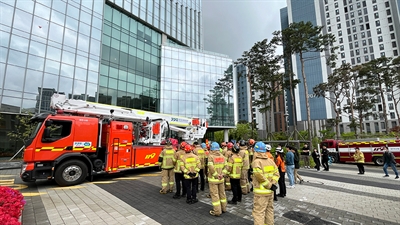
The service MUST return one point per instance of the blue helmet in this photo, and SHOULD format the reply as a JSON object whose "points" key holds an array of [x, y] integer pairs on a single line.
{"points": [[203, 145], [260, 147], [214, 146]]}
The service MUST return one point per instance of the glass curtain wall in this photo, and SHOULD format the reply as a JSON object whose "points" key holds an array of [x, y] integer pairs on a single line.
{"points": [[197, 84], [130, 62]]}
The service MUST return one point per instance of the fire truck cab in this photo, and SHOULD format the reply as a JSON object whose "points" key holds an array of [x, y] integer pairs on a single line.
{"points": [[81, 140]]}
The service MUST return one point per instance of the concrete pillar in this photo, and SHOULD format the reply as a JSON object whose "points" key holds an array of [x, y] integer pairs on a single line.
{"points": [[226, 134]]}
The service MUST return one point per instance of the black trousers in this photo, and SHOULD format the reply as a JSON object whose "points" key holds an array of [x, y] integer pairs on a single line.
{"points": [[282, 185], [236, 190], [360, 167], [202, 181], [178, 180], [317, 164], [191, 188], [325, 163]]}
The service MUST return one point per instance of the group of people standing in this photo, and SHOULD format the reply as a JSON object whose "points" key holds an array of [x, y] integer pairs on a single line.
{"points": [[228, 166]]}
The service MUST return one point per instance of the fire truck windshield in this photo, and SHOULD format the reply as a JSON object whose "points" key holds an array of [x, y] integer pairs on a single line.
{"points": [[34, 133]]}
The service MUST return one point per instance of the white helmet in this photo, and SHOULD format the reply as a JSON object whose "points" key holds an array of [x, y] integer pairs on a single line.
{"points": [[268, 147]]}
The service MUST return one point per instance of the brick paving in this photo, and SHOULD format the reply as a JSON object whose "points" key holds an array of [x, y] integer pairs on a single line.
{"points": [[339, 196]]}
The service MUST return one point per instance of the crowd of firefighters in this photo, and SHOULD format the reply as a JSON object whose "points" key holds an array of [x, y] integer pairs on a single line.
{"points": [[242, 167]]}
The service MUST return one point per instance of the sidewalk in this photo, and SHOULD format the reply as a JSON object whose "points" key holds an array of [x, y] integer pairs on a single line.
{"points": [[10, 164], [339, 196]]}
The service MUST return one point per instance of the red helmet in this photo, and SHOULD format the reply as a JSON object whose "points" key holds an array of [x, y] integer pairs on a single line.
{"points": [[183, 144], [251, 142], [230, 145], [188, 148]]}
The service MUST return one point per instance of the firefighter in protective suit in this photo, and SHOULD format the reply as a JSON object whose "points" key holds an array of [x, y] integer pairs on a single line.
{"points": [[265, 177], [167, 162], [190, 166], [200, 152], [178, 172], [216, 174], [244, 179], [234, 168], [228, 154]]}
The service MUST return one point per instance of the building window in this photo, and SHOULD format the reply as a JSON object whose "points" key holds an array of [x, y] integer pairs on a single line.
{"points": [[340, 33], [337, 11], [375, 8], [358, 60], [372, 57], [390, 27], [361, 27], [362, 34], [380, 39], [355, 36], [390, 20], [327, 15], [348, 31], [365, 11], [371, 50], [381, 47], [392, 36], [364, 42], [351, 53], [378, 31], [377, 23], [328, 22], [382, 54], [359, 12], [351, 45], [392, 115], [365, 50], [342, 48], [336, 5], [339, 26], [388, 12], [354, 29], [360, 19], [342, 55], [353, 61], [349, 38], [326, 8], [353, 22], [357, 51], [395, 53], [338, 19], [356, 44], [364, 4], [376, 15], [340, 40], [358, 5], [351, 8], [329, 29], [383, 126], [394, 45], [352, 14], [366, 20], [386, 4], [370, 41]]}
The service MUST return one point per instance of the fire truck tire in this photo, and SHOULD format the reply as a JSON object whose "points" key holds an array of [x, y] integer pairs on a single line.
{"points": [[334, 158], [378, 161], [70, 173]]}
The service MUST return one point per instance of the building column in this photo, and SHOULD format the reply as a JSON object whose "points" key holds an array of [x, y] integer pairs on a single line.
{"points": [[226, 135]]}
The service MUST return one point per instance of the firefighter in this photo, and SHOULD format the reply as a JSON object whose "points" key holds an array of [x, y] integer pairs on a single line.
{"points": [[190, 167], [244, 181], [216, 173], [223, 148], [250, 148], [227, 154], [265, 177], [234, 168], [167, 162], [178, 172], [199, 151]]}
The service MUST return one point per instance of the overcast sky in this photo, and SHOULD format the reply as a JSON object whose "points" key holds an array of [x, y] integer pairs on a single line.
{"points": [[233, 26]]}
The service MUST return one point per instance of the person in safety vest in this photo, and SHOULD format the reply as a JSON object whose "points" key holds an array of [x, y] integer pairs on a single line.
{"points": [[179, 181], [280, 163], [216, 173], [199, 151], [359, 158], [265, 177], [167, 162], [250, 148], [244, 178], [234, 168], [190, 166], [227, 154]]}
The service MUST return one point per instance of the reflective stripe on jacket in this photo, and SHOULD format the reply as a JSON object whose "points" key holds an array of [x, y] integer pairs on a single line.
{"points": [[168, 158], [234, 166], [190, 164], [244, 153], [216, 167], [201, 154], [178, 155], [265, 173]]}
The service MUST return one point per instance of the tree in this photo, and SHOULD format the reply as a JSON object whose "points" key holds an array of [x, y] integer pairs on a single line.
{"points": [[22, 128], [377, 73], [394, 86], [304, 38], [242, 131], [333, 90], [267, 81]]}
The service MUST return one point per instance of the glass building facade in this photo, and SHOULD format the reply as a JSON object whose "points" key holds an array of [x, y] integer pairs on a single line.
{"points": [[110, 52]]}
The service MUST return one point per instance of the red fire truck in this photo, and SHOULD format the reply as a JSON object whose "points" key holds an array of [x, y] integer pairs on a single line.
{"points": [[373, 152], [83, 139]]}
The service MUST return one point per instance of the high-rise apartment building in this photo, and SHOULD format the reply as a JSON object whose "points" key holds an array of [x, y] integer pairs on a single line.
{"points": [[133, 53], [364, 30]]}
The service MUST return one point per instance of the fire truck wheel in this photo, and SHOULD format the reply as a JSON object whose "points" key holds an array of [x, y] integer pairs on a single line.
{"points": [[71, 172], [378, 161], [334, 158]]}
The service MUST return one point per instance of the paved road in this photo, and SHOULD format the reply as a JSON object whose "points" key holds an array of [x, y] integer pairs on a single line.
{"points": [[339, 196]]}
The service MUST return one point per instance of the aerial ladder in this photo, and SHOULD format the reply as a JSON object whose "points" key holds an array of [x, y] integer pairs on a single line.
{"points": [[152, 127]]}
